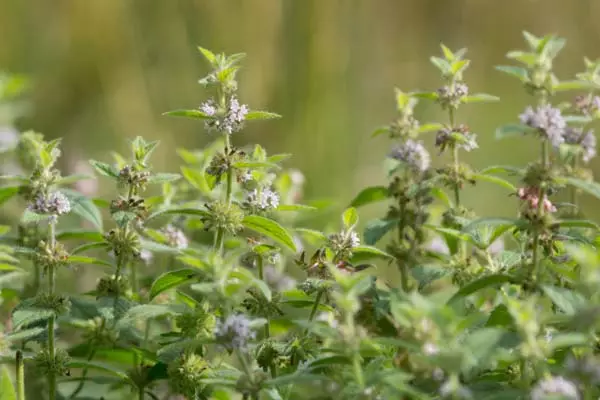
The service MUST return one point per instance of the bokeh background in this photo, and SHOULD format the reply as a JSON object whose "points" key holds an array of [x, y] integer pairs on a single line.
{"points": [[105, 70]]}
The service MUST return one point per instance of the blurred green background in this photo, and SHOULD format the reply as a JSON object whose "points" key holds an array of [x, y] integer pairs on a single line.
{"points": [[105, 70]]}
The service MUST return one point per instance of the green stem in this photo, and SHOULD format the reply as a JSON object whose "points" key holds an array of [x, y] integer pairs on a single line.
{"points": [[456, 165], [52, 319], [220, 238], [315, 307], [574, 191], [540, 213], [402, 264], [358, 372], [20, 373]]}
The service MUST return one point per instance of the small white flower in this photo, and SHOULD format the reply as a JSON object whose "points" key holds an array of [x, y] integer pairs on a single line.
{"points": [[209, 107], [264, 199], [555, 386], [278, 280], [430, 349], [175, 237], [353, 239], [54, 203], [146, 256]]}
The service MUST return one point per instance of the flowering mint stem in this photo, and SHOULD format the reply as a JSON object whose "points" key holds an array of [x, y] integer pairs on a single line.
{"points": [[20, 373], [402, 264], [52, 319]]}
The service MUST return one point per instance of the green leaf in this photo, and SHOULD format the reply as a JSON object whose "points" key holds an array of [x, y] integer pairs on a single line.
{"points": [[512, 130], [8, 192], [376, 229], [194, 114], [480, 98], [566, 300], [295, 207], [494, 169], [254, 165], [518, 72], [97, 366], [89, 246], [172, 279], [481, 283], [426, 274], [252, 115], [105, 169], [370, 195], [30, 315], [315, 236], [577, 223], [490, 222], [195, 212], [277, 158], [441, 195], [84, 207], [441, 64], [380, 131], [270, 229], [592, 188], [368, 252], [573, 85], [195, 178], [564, 340], [89, 261], [209, 55], [24, 335], [7, 390], [350, 218], [482, 343], [496, 180], [430, 127], [79, 234], [149, 311], [426, 95], [163, 177]]}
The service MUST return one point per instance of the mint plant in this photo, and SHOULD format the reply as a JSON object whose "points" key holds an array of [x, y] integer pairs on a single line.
{"points": [[211, 286]]}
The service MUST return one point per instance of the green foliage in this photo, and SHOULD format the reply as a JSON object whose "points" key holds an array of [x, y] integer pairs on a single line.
{"points": [[213, 286]]}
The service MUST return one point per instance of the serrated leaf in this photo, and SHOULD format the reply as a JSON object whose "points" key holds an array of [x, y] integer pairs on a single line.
{"points": [[149, 311], [270, 229], [295, 207], [512, 130], [29, 316], [517, 72], [195, 178], [494, 169], [592, 188], [566, 300], [8, 192], [496, 180], [193, 114], [430, 127], [105, 169], [89, 261], [254, 164], [489, 221], [376, 229], [577, 223], [255, 115], [481, 283], [441, 64], [84, 207], [195, 212], [172, 279], [370, 195], [163, 177], [98, 366], [426, 274], [209, 55], [480, 98], [350, 218], [24, 335], [365, 252], [573, 85]]}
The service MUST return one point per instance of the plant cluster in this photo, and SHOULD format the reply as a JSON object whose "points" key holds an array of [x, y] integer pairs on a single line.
{"points": [[213, 288]]}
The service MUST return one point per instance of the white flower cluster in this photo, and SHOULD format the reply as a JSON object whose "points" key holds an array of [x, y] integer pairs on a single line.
{"points": [[264, 199], [413, 154], [555, 387], [548, 120], [234, 332], [175, 237], [229, 120], [54, 203]]}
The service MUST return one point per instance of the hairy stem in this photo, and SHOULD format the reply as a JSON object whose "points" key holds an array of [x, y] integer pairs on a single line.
{"points": [[540, 213], [20, 374], [315, 307], [52, 319]]}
